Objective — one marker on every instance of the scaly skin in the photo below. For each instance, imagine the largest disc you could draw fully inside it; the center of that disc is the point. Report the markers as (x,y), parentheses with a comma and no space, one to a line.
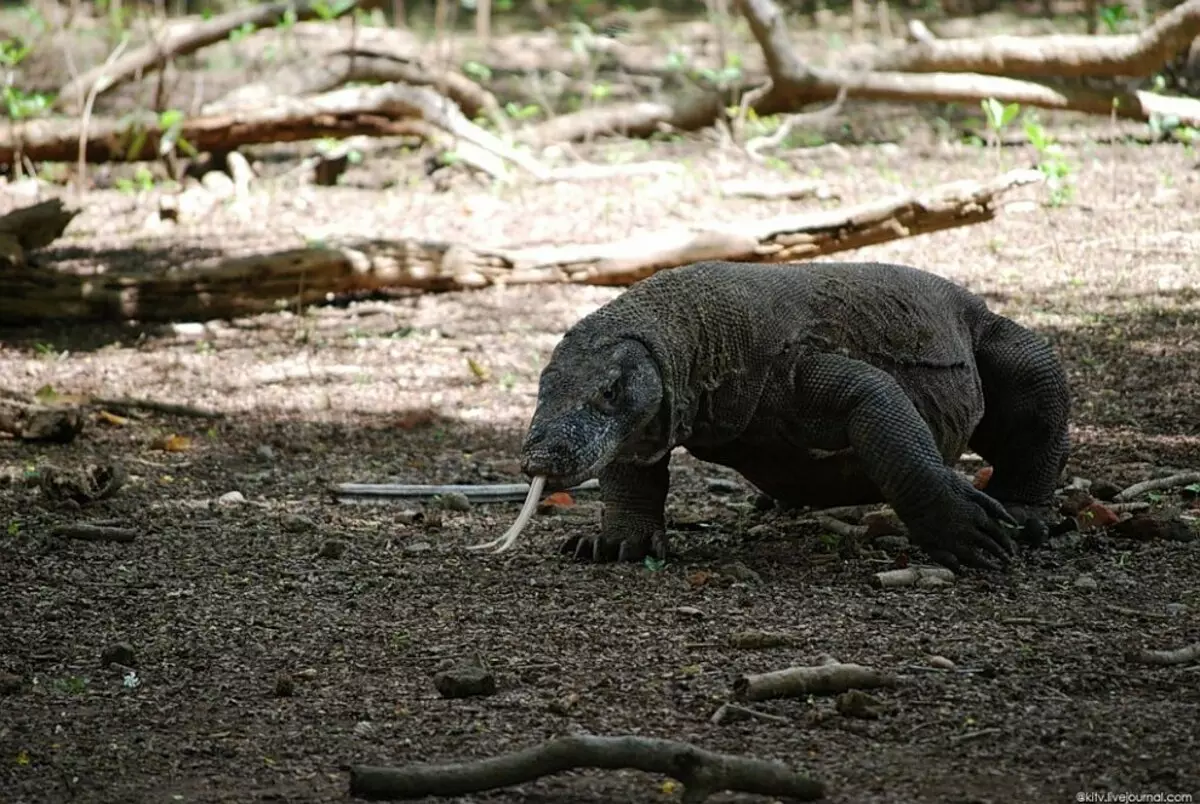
(822,384)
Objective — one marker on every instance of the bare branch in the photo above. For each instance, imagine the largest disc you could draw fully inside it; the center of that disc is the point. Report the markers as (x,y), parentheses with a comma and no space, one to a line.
(701,772)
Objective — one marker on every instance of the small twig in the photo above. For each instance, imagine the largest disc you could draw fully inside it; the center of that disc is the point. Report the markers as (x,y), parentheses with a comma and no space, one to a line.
(701,772)
(923,668)
(825,679)
(747,188)
(839,527)
(731,713)
(95,533)
(1127,507)
(1034,621)
(972,735)
(86,116)
(911,576)
(1158,484)
(1165,658)
(491,493)
(1148,615)
(169,408)
(780,134)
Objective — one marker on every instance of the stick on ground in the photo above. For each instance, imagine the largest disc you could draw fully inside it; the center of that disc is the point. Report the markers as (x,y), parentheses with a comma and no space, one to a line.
(795,682)
(1158,484)
(96,533)
(1166,658)
(910,576)
(701,772)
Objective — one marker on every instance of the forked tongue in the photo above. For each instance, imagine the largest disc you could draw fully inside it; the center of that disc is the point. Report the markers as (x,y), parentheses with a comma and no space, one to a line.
(511,535)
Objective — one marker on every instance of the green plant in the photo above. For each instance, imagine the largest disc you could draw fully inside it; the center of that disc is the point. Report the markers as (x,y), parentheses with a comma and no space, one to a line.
(998,116)
(1112,16)
(1052,162)
(143,180)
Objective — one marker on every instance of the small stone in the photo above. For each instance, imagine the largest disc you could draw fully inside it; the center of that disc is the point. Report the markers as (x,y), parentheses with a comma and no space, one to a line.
(417,547)
(231,498)
(10,684)
(118,653)
(759,532)
(719,485)
(409,517)
(284,686)
(307,674)
(689,611)
(1176,609)
(454,501)
(1086,582)
(892,543)
(883,523)
(563,705)
(1105,490)
(332,548)
(465,681)
(363,729)
(856,703)
(741,573)
(941,663)
(295,523)
(266,452)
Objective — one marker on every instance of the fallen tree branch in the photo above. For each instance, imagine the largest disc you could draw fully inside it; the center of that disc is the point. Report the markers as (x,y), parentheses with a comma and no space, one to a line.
(776,137)
(796,682)
(1166,658)
(795,83)
(701,772)
(1139,55)
(384,110)
(189,38)
(1157,484)
(309,275)
(95,533)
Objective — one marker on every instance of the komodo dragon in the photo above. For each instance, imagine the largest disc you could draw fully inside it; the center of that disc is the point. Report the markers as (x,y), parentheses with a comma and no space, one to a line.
(823,384)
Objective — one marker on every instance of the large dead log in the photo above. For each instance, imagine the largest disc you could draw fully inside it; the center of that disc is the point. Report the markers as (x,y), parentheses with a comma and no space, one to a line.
(388,109)
(795,83)
(1061,56)
(187,39)
(248,285)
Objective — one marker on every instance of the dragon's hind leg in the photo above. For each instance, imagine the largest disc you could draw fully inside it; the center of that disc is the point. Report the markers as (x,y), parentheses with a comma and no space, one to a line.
(1023,433)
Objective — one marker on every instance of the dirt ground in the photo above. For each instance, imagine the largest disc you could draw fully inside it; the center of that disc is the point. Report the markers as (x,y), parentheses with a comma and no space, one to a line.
(354,608)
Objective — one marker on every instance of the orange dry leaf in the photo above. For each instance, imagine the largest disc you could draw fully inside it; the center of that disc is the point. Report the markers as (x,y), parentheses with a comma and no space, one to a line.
(982,477)
(559,499)
(172,443)
(1096,515)
(699,578)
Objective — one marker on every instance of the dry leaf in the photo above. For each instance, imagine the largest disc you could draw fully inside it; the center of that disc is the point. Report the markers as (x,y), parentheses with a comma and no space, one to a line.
(112,418)
(982,477)
(173,443)
(477,368)
(699,578)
